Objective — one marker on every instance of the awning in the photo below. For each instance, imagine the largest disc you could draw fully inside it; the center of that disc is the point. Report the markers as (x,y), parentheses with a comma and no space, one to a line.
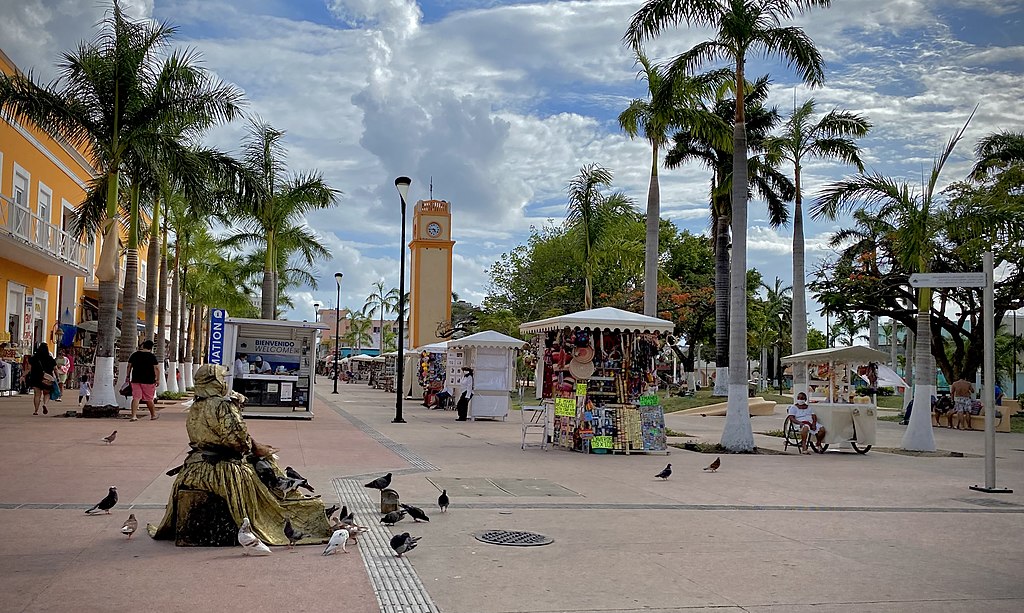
(858,354)
(441,347)
(92,326)
(489,338)
(603,318)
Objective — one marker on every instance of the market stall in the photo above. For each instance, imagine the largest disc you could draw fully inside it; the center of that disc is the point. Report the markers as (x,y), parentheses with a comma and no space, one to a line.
(280,358)
(492,356)
(832,376)
(596,369)
(432,370)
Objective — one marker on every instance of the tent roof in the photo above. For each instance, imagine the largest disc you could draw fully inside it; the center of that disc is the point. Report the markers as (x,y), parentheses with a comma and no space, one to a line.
(440,347)
(362,357)
(602,318)
(490,338)
(846,355)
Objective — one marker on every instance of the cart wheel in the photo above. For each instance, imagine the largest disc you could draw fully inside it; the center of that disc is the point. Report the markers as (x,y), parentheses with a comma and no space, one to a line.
(818,448)
(860,450)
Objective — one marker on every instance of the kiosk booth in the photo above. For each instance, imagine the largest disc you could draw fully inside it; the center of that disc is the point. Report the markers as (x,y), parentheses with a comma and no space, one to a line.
(432,370)
(492,356)
(596,370)
(281,359)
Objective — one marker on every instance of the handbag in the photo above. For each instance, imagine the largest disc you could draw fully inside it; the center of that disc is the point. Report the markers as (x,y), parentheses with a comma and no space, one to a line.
(126,389)
(55,392)
(48,379)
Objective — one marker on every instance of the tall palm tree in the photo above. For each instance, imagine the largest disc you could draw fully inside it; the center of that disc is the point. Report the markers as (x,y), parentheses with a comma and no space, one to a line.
(996,152)
(763,178)
(914,245)
(282,210)
(112,98)
(381,302)
(654,118)
(359,327)
(741,27)
(593,220)
(830,137)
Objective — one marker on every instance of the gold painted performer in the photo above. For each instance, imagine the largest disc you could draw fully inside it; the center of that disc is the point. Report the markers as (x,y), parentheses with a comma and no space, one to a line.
(222,462)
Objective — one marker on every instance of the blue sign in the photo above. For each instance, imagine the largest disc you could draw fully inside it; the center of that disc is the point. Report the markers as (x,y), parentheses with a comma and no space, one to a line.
(216,353)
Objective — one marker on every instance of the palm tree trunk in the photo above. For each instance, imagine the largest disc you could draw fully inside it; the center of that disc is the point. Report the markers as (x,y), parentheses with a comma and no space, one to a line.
(129,341)
(738,434)
(799,332)
(172,348)
(268,299)
(721,305)
(161,351)
(919,435)
(103,393)
(197,335)
(152,270)
(651,241)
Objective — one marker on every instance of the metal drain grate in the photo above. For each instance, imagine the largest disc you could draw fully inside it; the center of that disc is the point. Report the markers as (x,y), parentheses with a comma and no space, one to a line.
(513,538)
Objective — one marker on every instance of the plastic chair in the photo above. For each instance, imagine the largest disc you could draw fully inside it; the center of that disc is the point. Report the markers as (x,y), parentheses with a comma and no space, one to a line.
(536,417)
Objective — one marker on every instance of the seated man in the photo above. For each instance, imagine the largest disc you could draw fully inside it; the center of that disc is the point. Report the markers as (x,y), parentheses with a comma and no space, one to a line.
(943,405)
(806,420)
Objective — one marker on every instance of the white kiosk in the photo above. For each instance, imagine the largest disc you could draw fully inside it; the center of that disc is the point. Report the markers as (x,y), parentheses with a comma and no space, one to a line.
(281,361)
(492,356)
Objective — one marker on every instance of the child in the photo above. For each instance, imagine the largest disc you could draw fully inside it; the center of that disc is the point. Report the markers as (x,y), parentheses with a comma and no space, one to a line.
(83,388)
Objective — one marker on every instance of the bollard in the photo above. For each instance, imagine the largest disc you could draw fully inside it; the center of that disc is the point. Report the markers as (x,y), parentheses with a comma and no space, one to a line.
(388,500)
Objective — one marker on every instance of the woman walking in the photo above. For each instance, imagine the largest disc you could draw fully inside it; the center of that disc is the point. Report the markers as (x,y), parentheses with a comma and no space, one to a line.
(41,376)
(63,367)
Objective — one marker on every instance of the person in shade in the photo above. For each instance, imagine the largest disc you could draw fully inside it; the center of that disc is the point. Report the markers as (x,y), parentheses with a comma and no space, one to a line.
(467,394)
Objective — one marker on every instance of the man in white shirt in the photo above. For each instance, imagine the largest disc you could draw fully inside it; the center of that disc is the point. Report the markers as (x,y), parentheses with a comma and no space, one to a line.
(261,366)
(241,365)
(806,420)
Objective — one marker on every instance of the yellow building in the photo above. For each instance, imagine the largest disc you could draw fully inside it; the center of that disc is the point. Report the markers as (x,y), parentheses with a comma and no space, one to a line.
(46,273)
(430,271)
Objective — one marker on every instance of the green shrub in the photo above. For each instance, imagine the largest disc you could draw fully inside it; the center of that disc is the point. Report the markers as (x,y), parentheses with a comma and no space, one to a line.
(881,391)
(171,395)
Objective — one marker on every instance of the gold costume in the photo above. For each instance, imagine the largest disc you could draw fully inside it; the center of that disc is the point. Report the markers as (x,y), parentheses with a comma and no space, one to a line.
(219,463)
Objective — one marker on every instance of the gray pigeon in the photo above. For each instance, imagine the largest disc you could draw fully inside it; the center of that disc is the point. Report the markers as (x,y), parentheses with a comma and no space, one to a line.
(380,483)
(106,504)
(415,513)
(392,518)
(403,543)
(442,501)
(294,474)
(287,485)
(347,516)
(110,437)
(329,511)
(665,473)
(292,534)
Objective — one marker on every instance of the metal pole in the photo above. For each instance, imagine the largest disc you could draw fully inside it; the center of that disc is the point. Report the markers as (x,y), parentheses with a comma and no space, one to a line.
(1015,354)
(337,332)
(401,182)
(989,389)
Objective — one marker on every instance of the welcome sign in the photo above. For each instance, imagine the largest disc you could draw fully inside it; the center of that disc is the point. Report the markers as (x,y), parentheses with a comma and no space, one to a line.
(281,354)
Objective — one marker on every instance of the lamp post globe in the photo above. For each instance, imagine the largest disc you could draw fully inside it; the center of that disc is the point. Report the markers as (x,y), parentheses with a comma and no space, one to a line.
(337,332)
(402,185)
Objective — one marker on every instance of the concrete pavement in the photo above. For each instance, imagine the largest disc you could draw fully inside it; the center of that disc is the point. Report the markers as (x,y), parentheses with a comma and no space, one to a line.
(839,532)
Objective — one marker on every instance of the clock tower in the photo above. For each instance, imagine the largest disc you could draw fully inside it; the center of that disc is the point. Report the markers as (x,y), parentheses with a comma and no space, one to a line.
(430,272)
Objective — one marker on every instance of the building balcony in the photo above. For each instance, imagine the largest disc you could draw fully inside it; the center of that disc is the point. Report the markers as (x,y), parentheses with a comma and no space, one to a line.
(33,242)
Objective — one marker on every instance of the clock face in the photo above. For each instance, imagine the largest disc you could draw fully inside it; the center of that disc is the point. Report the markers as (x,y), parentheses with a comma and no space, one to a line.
(434,228)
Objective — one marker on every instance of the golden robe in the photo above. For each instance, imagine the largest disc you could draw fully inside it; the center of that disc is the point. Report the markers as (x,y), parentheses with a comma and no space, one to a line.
(215,424)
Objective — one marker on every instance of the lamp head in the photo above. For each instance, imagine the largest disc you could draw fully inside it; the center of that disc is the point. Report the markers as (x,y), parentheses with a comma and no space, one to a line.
(402,184)
(337,277)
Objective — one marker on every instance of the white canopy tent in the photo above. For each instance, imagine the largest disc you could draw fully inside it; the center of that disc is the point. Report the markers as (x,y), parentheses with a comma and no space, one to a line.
(491,355)
(604,318)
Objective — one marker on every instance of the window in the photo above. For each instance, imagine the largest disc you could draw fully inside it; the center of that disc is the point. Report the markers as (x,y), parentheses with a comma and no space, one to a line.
(43,202)
(20,189)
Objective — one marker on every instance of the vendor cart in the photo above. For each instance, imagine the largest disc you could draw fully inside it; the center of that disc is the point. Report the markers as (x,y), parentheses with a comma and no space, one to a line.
(848,419)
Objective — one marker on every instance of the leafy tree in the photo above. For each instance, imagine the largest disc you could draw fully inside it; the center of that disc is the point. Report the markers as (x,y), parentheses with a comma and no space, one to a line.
(802,138)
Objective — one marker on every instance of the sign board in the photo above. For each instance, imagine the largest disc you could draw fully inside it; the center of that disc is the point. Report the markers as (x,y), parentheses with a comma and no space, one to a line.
(215,355)
(649,401)
(565,407)
(948,279)
(601,442)
(581,389)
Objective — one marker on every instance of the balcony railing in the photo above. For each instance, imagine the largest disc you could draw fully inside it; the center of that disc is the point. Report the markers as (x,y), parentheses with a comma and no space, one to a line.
(22,224)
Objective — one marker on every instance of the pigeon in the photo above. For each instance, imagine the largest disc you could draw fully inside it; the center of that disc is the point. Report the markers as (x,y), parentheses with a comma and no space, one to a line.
(130,525)
(665,473)
(251,544)
(714,465)
(416,513)
(354,531)
(346,515)
(294,474)
(292,534)
(380,482)
(329,511)
(106,504)
(442,501)
(338,539)
(109,439)
(287,485)
(403,543)
(392,518)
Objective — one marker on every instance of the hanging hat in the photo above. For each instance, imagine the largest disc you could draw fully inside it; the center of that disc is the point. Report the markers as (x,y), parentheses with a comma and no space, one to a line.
(582,370)
(583,355)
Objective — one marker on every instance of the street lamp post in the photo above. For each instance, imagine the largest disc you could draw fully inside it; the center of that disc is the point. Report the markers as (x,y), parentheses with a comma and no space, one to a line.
(316,351)
(337,331)
(402,184)
(779,354)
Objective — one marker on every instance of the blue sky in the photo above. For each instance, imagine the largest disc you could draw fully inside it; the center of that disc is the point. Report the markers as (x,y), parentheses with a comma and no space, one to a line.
(501,103)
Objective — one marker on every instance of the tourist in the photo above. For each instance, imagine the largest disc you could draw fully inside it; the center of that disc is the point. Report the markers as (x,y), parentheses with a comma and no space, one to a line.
(962,391)
(143,370)
(467,393)
(804,417)
(40,376)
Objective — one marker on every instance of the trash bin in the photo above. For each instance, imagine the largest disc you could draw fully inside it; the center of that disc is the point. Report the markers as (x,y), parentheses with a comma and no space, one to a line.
(388,500)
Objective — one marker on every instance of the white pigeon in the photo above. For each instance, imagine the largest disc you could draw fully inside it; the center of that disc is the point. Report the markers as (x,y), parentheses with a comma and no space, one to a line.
(338,539)
(251,544)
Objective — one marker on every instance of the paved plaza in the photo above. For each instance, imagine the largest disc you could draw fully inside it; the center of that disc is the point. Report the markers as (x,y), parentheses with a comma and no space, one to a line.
(784,532)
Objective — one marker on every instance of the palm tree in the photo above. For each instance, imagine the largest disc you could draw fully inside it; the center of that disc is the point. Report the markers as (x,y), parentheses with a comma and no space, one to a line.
(112,98)
(278,216)
(654,119)
(831,137)
(772,186)
(594,220)
(382,302)
(996,152)
(743,27)
(914,246)
(359,326)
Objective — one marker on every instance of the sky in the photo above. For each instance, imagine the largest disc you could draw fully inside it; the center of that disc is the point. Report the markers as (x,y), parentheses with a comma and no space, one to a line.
(499,103)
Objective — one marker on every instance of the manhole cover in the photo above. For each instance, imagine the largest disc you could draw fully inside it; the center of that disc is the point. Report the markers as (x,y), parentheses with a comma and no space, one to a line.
(513,538)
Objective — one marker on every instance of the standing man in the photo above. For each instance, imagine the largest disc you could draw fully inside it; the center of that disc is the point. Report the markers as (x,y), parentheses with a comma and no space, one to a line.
(143,369)
(240,370)
(962,391)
